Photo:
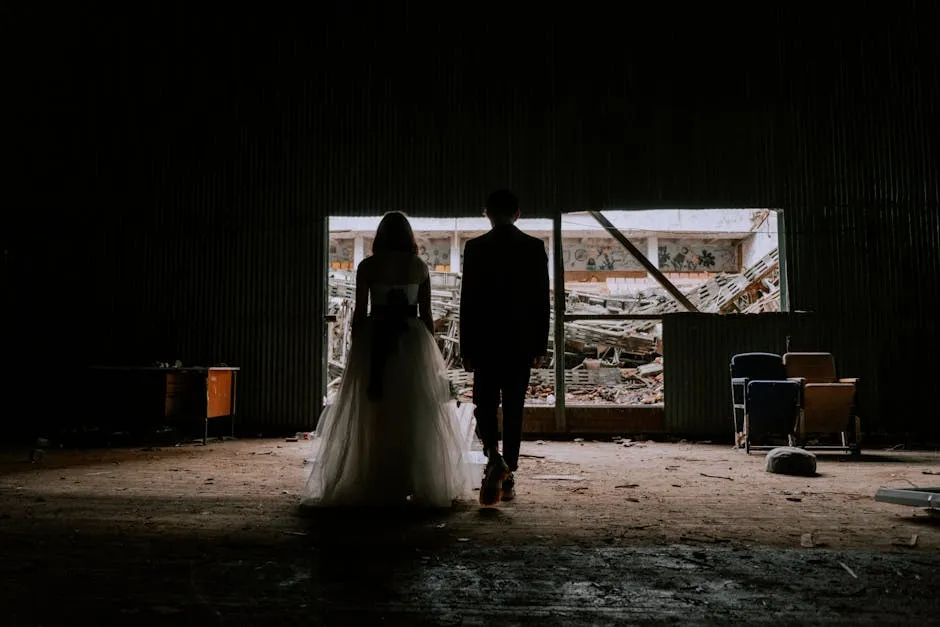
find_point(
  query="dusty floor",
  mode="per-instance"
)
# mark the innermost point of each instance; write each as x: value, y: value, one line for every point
x: 601, y: 533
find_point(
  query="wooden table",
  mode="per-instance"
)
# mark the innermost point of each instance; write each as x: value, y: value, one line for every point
x: 200, y: 393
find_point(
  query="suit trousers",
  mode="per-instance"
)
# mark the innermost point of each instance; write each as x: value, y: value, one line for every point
x: 509, y: 382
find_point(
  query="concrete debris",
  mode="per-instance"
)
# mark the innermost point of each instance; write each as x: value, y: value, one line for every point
x: 653, y: 368
x: 623, y: 386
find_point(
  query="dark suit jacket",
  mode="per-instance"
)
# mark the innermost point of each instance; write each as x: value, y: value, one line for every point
x: 504, y: 297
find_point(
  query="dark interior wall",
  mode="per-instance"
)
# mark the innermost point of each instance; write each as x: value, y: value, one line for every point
x: 174, y: 171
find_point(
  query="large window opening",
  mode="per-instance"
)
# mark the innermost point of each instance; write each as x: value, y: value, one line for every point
x: 623, y: 270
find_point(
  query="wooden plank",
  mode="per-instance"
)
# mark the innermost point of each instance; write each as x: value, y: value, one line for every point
x: 575, y: 317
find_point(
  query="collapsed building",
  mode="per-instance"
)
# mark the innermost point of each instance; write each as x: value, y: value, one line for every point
x: 606, y: 361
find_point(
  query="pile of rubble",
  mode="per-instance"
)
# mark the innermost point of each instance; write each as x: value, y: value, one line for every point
x: 642, y: 385
x: 606, y: 361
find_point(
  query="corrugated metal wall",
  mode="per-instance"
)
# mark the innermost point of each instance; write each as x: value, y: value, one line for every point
x: 868, y: 276
x: 697, y: 355
x: 175, y: 182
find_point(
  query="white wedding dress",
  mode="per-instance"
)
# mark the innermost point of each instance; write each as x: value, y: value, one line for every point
x: 404, y: 440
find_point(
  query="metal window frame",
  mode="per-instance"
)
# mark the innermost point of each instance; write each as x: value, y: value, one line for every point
x: 558, y: 271
x: 782, y: 261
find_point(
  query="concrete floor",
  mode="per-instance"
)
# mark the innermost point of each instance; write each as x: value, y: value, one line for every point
x: 601, y: 534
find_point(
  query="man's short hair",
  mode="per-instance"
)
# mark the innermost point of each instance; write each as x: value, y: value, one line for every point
x: 502, y: 204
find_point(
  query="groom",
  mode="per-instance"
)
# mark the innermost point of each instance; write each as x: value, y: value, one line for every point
x: 504, y: 318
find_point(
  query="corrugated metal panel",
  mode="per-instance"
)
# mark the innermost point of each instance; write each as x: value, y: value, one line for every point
x: 246, y: 298
x: 862, y: 208
x: 871, y: 271
x: 332, y: 114
x: 697, y: 351
x: 176, y: 186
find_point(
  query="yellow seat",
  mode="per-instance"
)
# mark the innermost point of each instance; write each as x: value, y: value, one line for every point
x: 827, y: 403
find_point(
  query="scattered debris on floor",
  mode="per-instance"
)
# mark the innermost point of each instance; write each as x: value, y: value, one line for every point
x: 716, y: 476
x: 558, y: 478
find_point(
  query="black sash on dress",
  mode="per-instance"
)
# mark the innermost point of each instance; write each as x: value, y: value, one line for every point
x: 388, y: 323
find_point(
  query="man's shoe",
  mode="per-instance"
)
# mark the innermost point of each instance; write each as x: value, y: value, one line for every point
x: 509, y: 488
x: 494, y: 475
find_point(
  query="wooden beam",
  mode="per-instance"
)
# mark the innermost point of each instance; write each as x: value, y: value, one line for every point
x: 646, y: 263
x: 573, y: 317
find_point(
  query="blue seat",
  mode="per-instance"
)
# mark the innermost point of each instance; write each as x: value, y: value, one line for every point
x: 765, y: 404
x: 772, y: 413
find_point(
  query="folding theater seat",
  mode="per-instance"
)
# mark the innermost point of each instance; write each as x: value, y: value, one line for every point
x: 764, y: 401
x: 827, y: 402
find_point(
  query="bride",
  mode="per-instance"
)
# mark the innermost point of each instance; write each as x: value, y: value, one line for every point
x: 393, y: 434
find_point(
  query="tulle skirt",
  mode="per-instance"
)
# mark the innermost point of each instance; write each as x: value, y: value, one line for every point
x: 412, y: 445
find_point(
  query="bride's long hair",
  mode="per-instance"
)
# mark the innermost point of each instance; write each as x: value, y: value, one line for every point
x: 394, y: 233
